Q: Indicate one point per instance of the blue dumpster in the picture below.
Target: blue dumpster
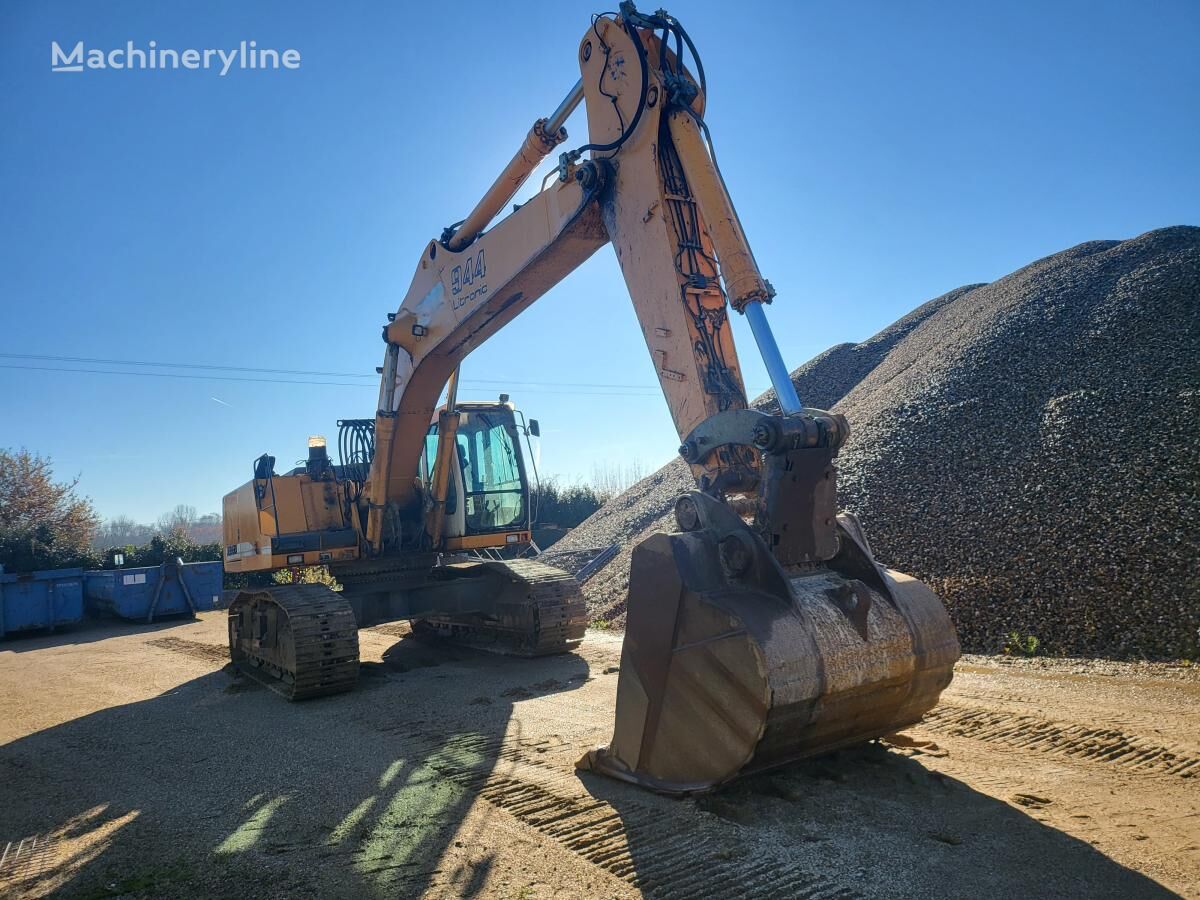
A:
(150, 592)
(40, 599)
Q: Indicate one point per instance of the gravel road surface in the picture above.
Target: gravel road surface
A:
(133, 764)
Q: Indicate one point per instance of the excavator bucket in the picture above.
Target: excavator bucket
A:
(733, 664)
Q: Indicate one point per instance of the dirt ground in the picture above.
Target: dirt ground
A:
(133, 764)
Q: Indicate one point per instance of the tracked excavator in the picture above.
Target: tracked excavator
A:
(761, 631)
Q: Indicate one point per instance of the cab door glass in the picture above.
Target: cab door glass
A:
(494, 487)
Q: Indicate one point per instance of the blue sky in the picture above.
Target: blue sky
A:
(880, 154)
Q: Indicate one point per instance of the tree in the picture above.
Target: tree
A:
(611, 479)
(167, 548)
(121, 531)
(206, 529)
(178, 519)
(44, 524)
(561, 507)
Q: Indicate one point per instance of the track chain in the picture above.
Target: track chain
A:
(550, 618)
(316, 641)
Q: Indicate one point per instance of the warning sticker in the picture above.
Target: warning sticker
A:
(140, 578)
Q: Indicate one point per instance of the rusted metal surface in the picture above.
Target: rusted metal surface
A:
(301, 641)
(753, 642)
(525, 608)
(732, 665)
(516, 607)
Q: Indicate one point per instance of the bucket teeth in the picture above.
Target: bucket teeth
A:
(732, 665)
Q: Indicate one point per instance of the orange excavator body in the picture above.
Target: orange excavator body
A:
(762, 630)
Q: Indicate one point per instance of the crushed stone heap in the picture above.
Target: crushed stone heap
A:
(1030, 448)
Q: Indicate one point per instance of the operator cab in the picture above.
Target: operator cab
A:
(490, 476)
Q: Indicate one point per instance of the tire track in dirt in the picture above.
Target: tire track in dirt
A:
(1142, 724)
(1146, 714)
(195, 649)
(633, 843)
(1111, 746)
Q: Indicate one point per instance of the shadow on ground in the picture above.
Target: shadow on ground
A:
(85, 632)
(861, 822)
(220, 788)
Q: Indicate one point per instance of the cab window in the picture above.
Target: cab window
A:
(494, 488)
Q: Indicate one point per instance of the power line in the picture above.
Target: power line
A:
(512, 381)
(221, 368)
(530, 390)
(177, 375)
(166, 365)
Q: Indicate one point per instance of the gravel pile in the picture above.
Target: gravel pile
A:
(1030, 448)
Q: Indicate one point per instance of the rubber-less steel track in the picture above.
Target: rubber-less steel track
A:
(540, 611)
(301, 641)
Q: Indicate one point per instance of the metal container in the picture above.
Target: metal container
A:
(40, 599)
(151, 592)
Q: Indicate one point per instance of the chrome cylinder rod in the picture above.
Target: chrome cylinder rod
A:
(544, 136)
(559, 117)
(789, 402)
